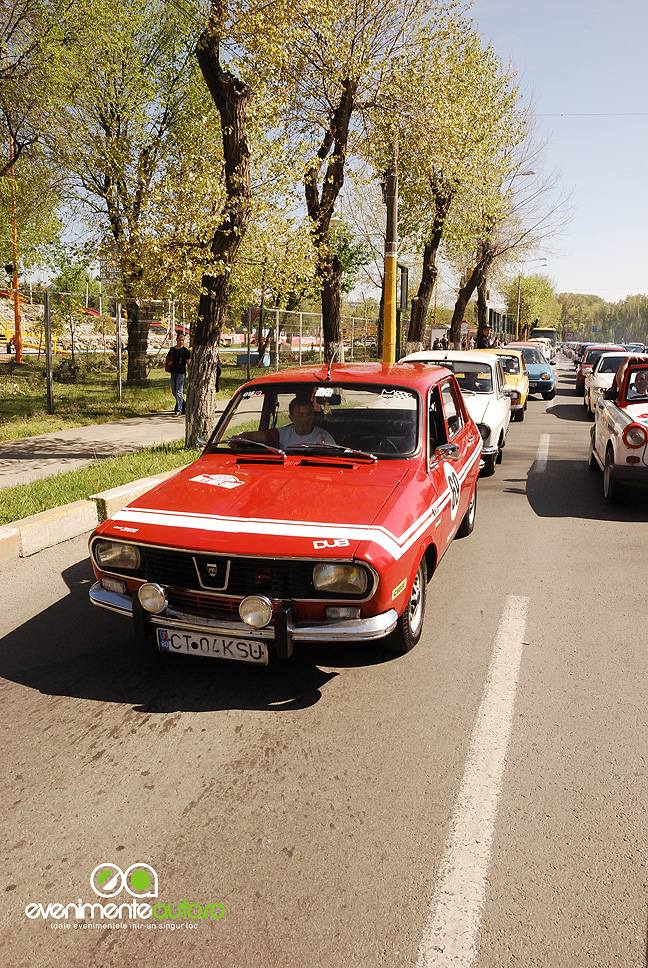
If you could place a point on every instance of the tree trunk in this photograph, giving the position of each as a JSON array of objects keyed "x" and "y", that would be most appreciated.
[
  {"x": 320, "y": 207},
  {"x": 138, "y": 330},
  {"x": 231, "y": 96},
  {"x": 482, "y": 306},
  {"x": 332, "y": 311},
  {"x": 442, "y": 196},
  {"x": 477, "y": 276}
]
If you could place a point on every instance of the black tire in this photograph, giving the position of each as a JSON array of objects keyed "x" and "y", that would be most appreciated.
[
  {"x": 468, "y": 523},
  {"x": 612, "y": 490},
  {"x": 549, "y": 396},
  {"x": 410, "y": 623},
  {"x": 592, "y": 462},
  {"x": 500, "y": 455},
  {"x": 489, "y": 466}
]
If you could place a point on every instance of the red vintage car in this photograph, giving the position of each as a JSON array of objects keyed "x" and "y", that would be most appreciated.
[{"x": 318, "y": 511}]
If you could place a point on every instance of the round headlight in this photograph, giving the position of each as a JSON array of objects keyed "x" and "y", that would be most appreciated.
[
  {"x": 514, "y": 394},
  {"x": 635, "y": 435},
  {"x": 546, "y": 376},
  {"x": 114, "y": 554},
  {"x": 340, "y": 579},
  {"x": 256, "y": 610},
  {"x": 152, "y": 597},
  {"x": 484, "y": 430}
]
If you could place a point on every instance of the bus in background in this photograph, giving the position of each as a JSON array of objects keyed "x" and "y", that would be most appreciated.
[{"x": 546, "y": 332}]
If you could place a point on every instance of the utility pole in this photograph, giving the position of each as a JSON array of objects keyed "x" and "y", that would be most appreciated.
[
  {"x": 391, "y": 245},
  {"x": 14, "y": 221}
]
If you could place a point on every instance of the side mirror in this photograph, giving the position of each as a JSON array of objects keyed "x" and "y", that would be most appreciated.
[{"x": 448, "y": 452}]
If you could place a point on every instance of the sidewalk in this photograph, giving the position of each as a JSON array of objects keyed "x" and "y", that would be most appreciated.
[{"x": 30, "y": 458}]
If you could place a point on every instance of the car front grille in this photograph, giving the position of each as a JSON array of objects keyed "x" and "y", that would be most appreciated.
[{"x": 233, "y": 577}]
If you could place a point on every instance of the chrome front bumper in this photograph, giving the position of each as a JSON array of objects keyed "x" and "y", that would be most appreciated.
[{"x": 359, "y": 630}]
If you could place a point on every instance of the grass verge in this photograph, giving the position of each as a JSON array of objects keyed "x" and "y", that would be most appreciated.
[
  {"x": 93, "y": 399},
  {"x": 21, "y": 500}
]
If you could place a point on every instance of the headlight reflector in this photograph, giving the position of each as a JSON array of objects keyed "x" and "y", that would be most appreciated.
[
  {"x": 343, "y": 579},
  {"x": 114, "y": 554},
  {"x": 635, "y": 435}
]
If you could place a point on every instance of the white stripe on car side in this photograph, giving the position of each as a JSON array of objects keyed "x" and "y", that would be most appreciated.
[{"x": 391, "y": 543}]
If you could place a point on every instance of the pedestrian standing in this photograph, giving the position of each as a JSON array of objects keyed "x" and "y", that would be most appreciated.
[
  {"x": 484, "y": 338},
  {"x": 219, "y": 370},
  {"x": 179, "y": 358}
]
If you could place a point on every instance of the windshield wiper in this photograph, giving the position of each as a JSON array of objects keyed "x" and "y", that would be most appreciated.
[
  {"x": 333, "y": 450},
  {"x": 242, "y": 444}
]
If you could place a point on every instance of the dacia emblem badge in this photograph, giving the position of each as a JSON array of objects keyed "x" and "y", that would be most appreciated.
[{"x": 212, "y": 570}]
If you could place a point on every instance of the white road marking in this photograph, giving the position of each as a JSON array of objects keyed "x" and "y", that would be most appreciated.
[
  {"x": 543, "y": 453},
  {"x": 450, "y": 938}
]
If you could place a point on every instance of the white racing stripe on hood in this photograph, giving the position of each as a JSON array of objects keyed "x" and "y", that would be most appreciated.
[{"x": 394, "y": 545}]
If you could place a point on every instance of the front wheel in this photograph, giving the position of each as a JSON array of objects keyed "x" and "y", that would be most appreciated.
[
  {"x": 467, "y": 525},
  {"x": 549, "y": 396},
  {"x": 489, "y": 466},
  {"x": 611, "y": 488},
  {"x": 410, "y": 623}
]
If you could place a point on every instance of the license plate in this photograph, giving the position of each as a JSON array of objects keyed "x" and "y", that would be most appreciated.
[
  {"x": 532, "y": 386},
  {"x": 212, "y": 646}
]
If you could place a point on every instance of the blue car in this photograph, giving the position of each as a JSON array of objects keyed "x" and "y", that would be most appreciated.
[{"x": 541, "y": 377}]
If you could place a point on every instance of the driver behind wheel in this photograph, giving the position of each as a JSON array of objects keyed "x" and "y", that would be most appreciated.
[{"x": 300, "y": 430}]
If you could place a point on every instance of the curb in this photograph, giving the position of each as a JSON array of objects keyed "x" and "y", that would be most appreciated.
[{"x": 20, "y": 539}]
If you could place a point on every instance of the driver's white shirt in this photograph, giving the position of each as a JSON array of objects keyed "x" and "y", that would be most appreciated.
[{"x": 288, "y": 436}]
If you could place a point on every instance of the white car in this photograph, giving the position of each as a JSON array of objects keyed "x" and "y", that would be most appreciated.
[
  {"x": 487, "y": 397},
  {"x": 601, "y": 378},
  {"x": 619, "y": 440}
]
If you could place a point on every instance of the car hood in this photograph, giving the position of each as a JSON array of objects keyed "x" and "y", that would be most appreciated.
[
  {"x": 637, "y": 412},
  {"x": 481, "y": 407},
  {"x": 535, "y": 370},
  {"x": 262, "y": 508}
]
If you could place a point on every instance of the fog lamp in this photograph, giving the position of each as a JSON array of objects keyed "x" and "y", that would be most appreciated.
[
  {"x": 152, "y": 597},
  {"x": 256, "y": 610}
]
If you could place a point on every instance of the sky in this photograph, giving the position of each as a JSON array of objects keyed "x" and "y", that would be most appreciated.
[{"x": 583, "y": 65}]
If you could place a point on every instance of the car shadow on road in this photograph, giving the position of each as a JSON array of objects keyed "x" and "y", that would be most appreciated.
[
  {"x": 569, "y": 411},
  {"x": 74, "y": 649},
  {"x": 569, "y": 489}
]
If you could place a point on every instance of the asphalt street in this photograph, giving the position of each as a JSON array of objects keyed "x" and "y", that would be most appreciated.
[{"x": 478, "y": 802}]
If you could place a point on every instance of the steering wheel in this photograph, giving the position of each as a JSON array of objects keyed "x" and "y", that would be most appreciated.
[{"x": 382, "y": 445}]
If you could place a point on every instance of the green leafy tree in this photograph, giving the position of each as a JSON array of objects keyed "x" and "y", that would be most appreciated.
[
  {"x": 127, "y": 79},
  {"x": 537, "y": 302}
]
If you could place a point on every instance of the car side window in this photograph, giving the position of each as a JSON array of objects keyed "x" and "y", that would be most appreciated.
[
  {"x": 436, "y": 424},
  {"x": 451, "y": 409}
]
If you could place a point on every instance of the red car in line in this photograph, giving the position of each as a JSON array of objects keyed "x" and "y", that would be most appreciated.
[{"x": 318, "y": 512}]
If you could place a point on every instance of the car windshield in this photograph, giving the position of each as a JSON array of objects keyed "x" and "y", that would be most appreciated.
[
  {"x": 610, "y": 364},
  {"x": 471, "y": 377},
  {"x": 322, "y": 419},
  {"x": 510, "y": 364},
  {"x": 532, "y": 355}
]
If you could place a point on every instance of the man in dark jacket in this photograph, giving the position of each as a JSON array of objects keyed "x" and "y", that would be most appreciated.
[
  {"x": 484, "y": 338},
  {"x": 179, "y": 356}
]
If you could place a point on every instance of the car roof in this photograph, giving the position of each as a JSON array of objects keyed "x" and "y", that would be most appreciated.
[
  {"x": 437, "y": 356},
  {"x": 503, "y": 350},
  {"x": 396, "y": 374}
]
